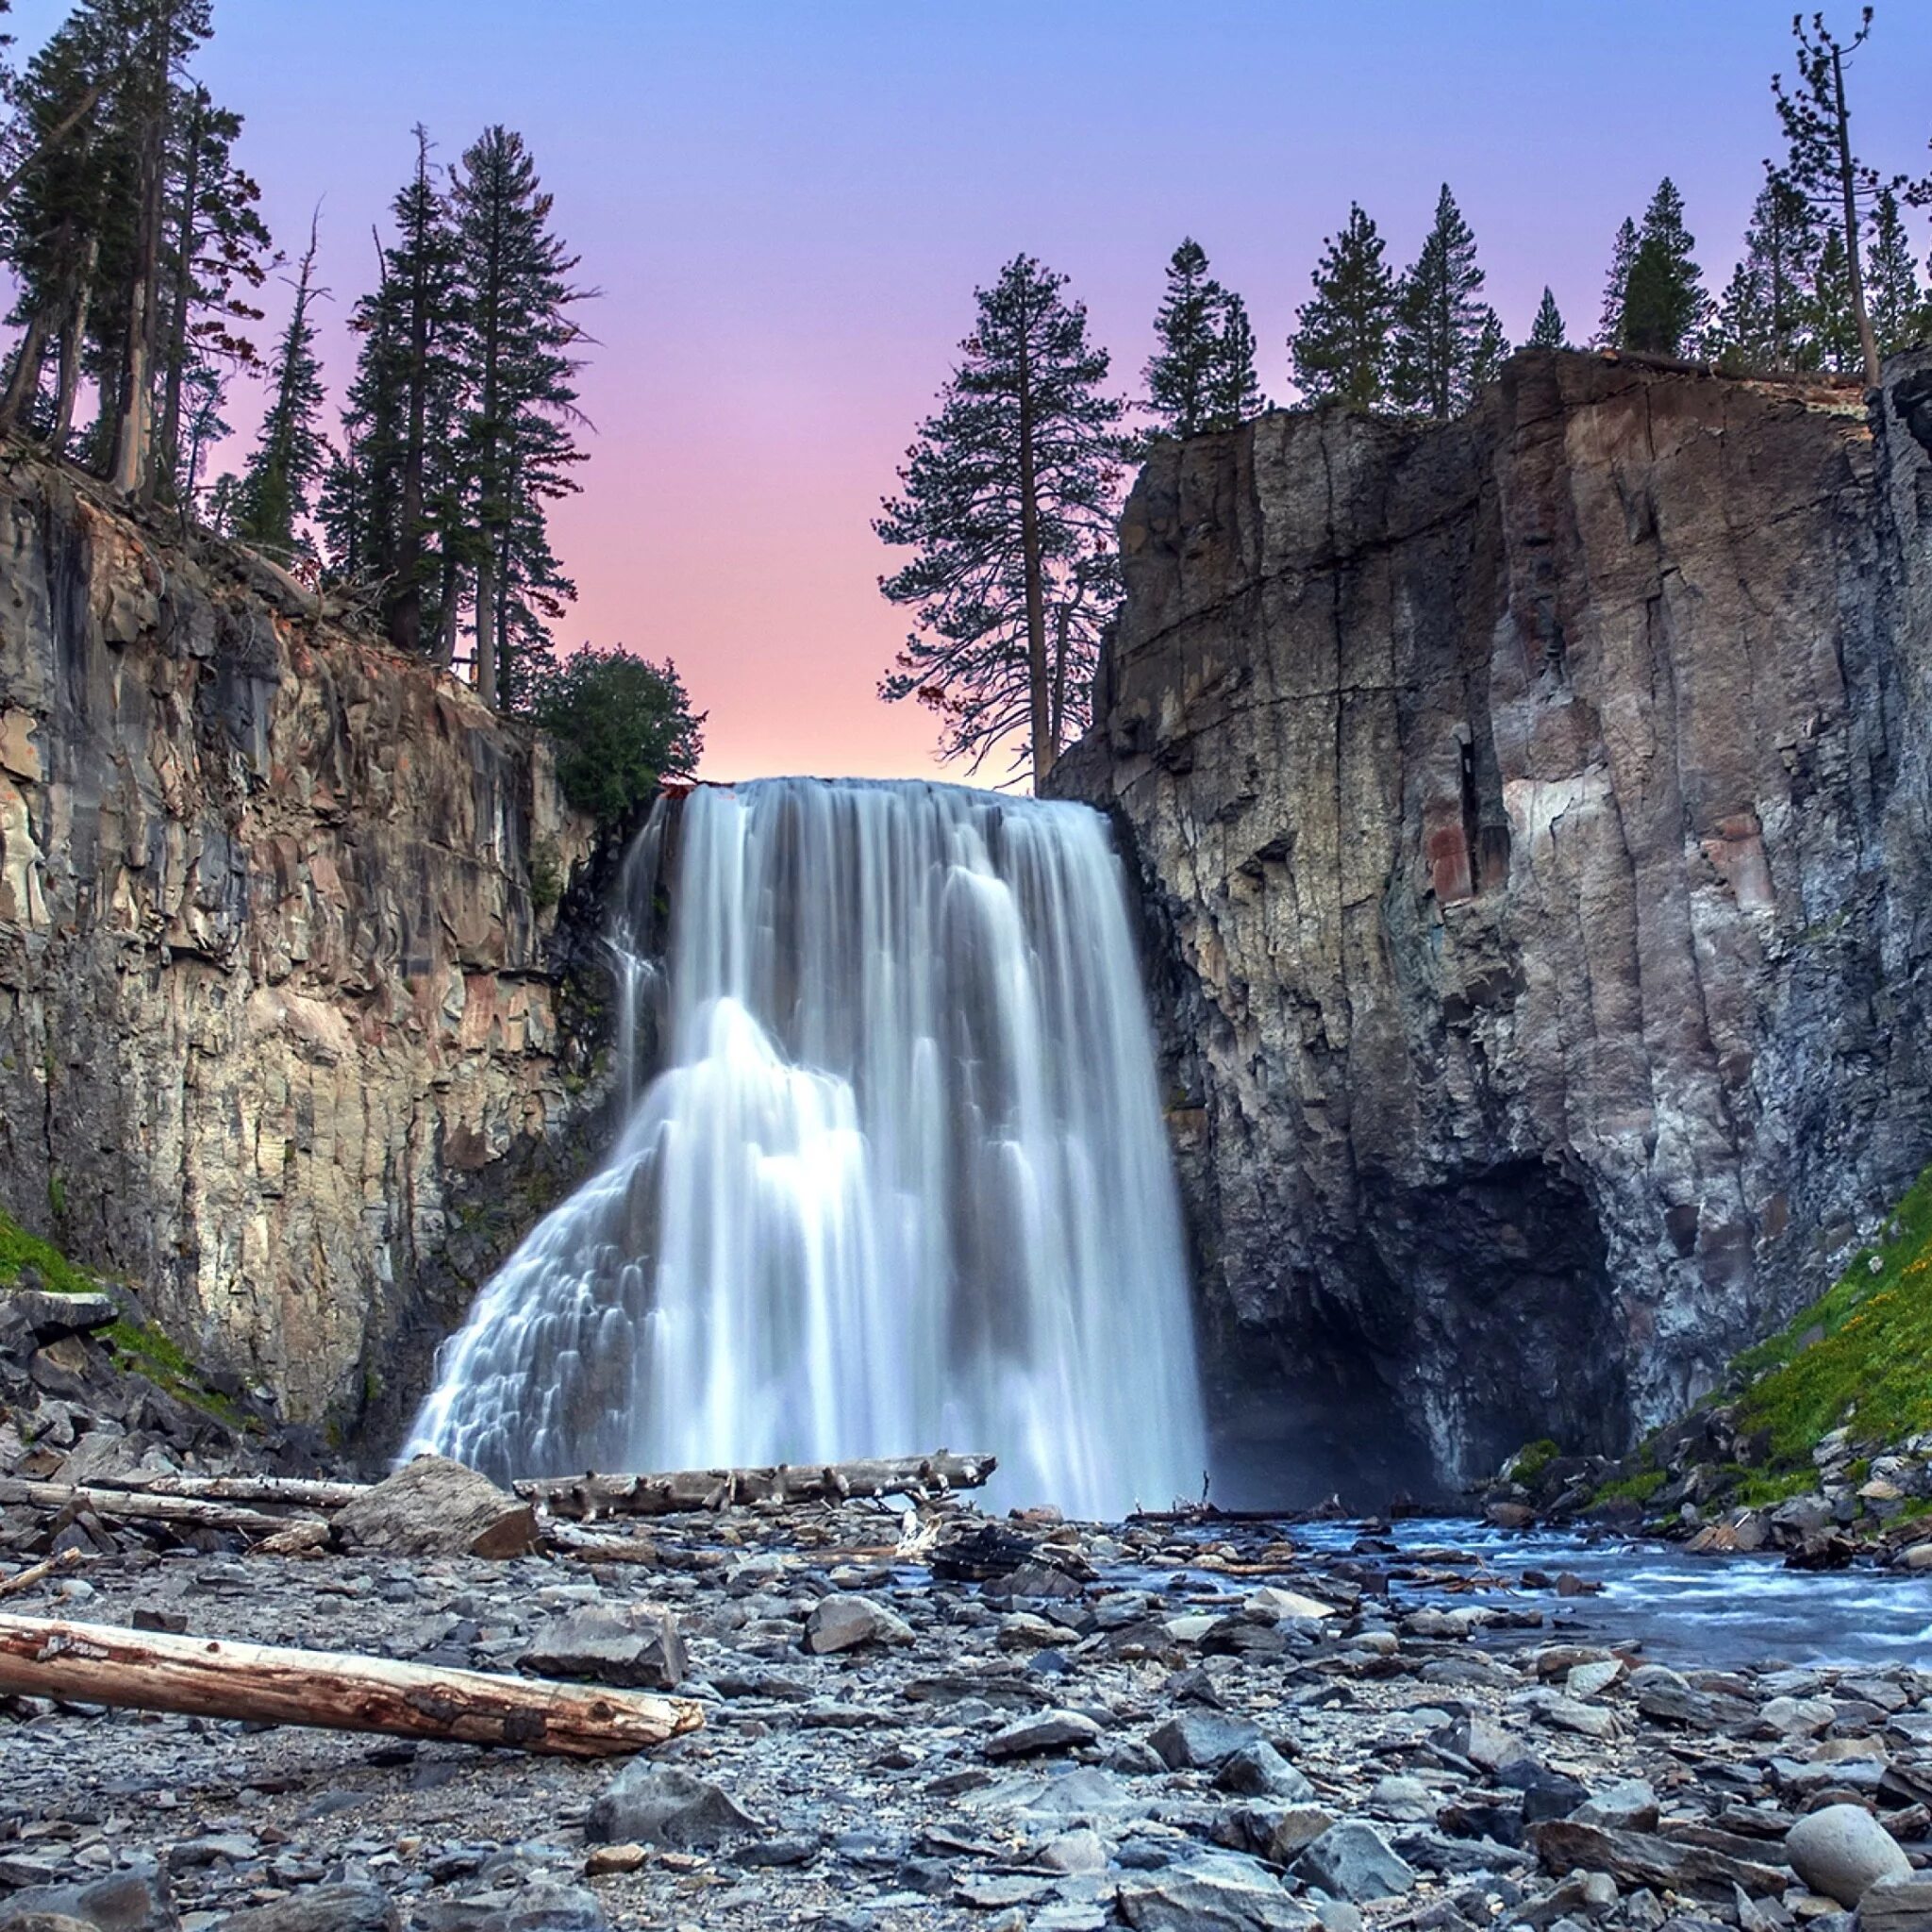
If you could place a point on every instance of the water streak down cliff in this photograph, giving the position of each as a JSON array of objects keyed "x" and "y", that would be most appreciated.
[
  {"x": 1533, "y": 817},
  {"x": 279, "y": 1031}
]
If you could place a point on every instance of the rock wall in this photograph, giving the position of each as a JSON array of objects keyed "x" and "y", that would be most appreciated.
[
  {"x": 1533, "y": 817},
  {"x": 280, "y": 1033}
]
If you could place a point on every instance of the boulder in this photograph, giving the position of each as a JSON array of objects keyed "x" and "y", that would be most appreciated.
[
  {"x": 843, "y": 1623},
  {"x": 52, "y": 1316},
  {"x": 1352, "y": 1860},
  {"x": 1260, "y": 1770},
  {"x": 435, "y": 1507},
  {"x": 1896, "y": 1905},
  {"x": 132, "y": 1901},
  {"x": 1211, "y": 1894},
  {"x": 320, "y": 1908},
  {"x": 1202, "y": 1740},
  {"x": 1842, "y": 1851},
  {"x": 657, "y": 1804},
  {"x": 1051, "y": 1730},
  {"x": 636, "y": 1646},
  {"x": 1629, "y": 1804}
]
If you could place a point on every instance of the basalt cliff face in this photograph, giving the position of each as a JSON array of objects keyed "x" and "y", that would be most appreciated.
[
  {"x": 1533, "y": 818},
  {"x": 280, "y": 1031}
]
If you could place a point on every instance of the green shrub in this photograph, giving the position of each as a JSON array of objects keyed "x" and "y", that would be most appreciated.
[{"x": 620, "y": 724}]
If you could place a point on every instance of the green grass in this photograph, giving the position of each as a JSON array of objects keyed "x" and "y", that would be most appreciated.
[
  {"x": 1639, "y": 1488},
  {"x": 1871, "y": 1369},
  {"x": 1764, "y": 1492},
  {"x": 1532, "y": 1459},
  {"x": 19, "y": 1249}
]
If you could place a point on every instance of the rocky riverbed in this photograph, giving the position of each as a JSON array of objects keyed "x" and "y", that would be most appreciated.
[{"x": 1001, "y": 1726}]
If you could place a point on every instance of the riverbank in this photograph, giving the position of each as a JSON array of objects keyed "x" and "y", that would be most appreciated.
[{"x": 1161, "y": 1725}]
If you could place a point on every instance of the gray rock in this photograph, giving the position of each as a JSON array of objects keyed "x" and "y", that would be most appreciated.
[
  {"x": 1051, "y": 1730},
  {"x": 320, "y": 1908},
  {"x": 1896, "y": 1905},
  {"x": 1211, "y": 1894},
  {"x": 435, "y": 1507},
  {"x": 1352, "y": 1860},
  {"x": 843, "y": 1623},
  {"x": 1842, "y": 1851},
  {"x": 1407, "y": 1800},
  {"x": 51, "y": 1316},
  {"x": 1202, "y": 1740},
  {"x": 636, "y": 1645},
  {"x": 659, "y": 1805},
  {"x": 134, "y": 1900},
  {"x": 1260, "y": 1770},
  {"x": 1630, "y": 1805}
]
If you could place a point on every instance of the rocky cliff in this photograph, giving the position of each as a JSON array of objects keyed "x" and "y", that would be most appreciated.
[
  {"x": 280, "y": 1029},
  {"x": 1533, "y": 817}
]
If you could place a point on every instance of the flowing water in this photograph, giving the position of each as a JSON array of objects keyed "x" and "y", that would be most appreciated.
[{"x": 902, "y": 1183}]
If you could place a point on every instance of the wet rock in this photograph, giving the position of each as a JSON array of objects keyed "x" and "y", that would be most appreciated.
[
  {"x": 1211, "y": 1894},
  {"x": 659, "y": 1805},
  {"x": 843, "y": 1623},
  {"x": 1842, "y": 1851},
  {"x": 435, "y": 1507},
  {"x": 1202, "y": 1740},
  {"x": 320, "y": 1908},
  {"x": 634, "y": 1645},
  {"x": 1051, "y": 1730},
  {"x": 1352, "y": 1860}
]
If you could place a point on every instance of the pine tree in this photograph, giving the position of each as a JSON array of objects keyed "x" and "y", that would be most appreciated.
[
  {"x": 1834, "y": 315},
  {"x": 1664, "y": 304},
  {"x": 1897, "y": 302},
  {"x": 1440, "y": 324},
  {"x": 1202, "y": 377},
  {"x": 518, "y": 340},
  {"x": 1492, "y": 351},
  {"x": 1007, "y": 501},
  {"x": 1819, "y": 164},
  {"x": 1762, "y": 317},
  {"x": 1546, "y": 331},
  {"x": 1610, "y": 327},
  {"x": 289, "y": 451},
  {"x": 1341, "y": 346}
]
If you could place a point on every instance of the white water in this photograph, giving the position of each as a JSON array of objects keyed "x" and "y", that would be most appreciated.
[{"x": 903, "y": 1185}]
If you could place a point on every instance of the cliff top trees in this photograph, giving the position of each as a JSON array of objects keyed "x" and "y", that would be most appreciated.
[
  {"x": 1341, "y": 344},
  {"x": 1546, "y": 331},
  {"x": 1819, "y": 163},
  {"x": 1007, "y": 503},
  {"x": 1447, "y": 343},
  {"x": 289, "y": 451},
  {"x": 1664, "y": 303},
  {"x": 1764, "y": 315},
  {"x": 1610, "y": 326},
  {"x": 621, "y": 723},
  {"x": 1202, "y": 377}
]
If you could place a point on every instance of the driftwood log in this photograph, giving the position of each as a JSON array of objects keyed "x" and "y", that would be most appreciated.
[
  {"x": 98, "y": 1663},
  {"x": 586, "y": 1497},
  {"x": 138, "y": 1506}
]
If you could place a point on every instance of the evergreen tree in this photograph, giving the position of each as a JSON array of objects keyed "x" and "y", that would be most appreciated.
[
  {"x": 1763, "y": 316},
  {"x": 1440, "y": 325},
  {"x": 1664, "y": 304},
  {"x": 289, "y": 451},
  {"x": 1546, "y": 331},
  {"x": 1007, "y": 502},
  {"x": 1897, "y": 302},
  {"x": 1834, "y": 315},
  {"x": 1341, "y": 346},
  {"x": 1492, "y": 351},
  {"x": 518, "y": 430},
  {"x": 1202, "y": 377},
  {"x": 1819, "y": 163},
  {"x": 1610, "y": 327}
]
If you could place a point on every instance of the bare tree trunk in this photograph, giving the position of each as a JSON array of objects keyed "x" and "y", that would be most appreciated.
[
  {"x": 25, "y": 383},
  {"x": 486, "y": 623},
  {"x": 168, "y": 455},
  {"x": 1867, "y": 339},
  {"x": 98, "y": 1663},
  {"x": 134, "y": 424},
  {"x": 72, "y": 348},
  {"x": 1044, "y": 749}
]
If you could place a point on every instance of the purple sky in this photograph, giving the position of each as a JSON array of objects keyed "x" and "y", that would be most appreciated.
[{"x": 788, "y": 206}]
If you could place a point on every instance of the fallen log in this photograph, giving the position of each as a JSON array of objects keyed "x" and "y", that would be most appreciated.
[
  {"x": 586, "y": 1497},
  {"x": 99, "y": 1663},
  {"x": 38, "y": 1573},
  {"x": 288, "y": 1491},
  {"x": 137, "y": 1505}
]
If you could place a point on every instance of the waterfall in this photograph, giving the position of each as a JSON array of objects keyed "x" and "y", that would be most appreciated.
[{"x": 902, "y": 1183}]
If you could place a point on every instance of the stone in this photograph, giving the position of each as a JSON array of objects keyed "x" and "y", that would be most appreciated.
[
  {"x": 1210, "y": 1894},
  {"x": 1594, "y": 1679},
  {"x": 1260, "y": 1770},
  {"x": 133, "y": 1901},
  {"x": 1629, "y": 1804},
  {"x": 1376, "y": 889},
  {"x": 843, "y": 1623},
  {"x": 1197, "y": 1740},
  {"x": 633, "y": 1645},
  {"x": 52, "y": 1316},
  {"x": 1273, "y": 1601},
  {"x": 660, "y": 1804},
  {"x": 1842, "y": 1851},
  {"x": 1051, "y": 1730},
  {"x": 1295, "y": 1830},
  {"x": 432, "y": 1507},
  {"x": 1352, "y": 1860},
  {"x": 349, "y": 1908},
  {"x": 1896, "y": 1905},
  {"x": 1407, "y": 1800},
  {"x": 1074, "y": 1852}
]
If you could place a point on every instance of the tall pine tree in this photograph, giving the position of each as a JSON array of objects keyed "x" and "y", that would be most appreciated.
[
  {"x": 1610, "y": 326},
  {"x": 277, "y": 486},
  {"x": 518, "y": 341},
  {"x": 1341, "y": 344},
  {"x": 1234, "y": 390},
  {"x": 1764, "y": 313},
  {"x": 1444, "y": 333},
  {"x": 1546, "y": 331},
  {"x": 1898, "y": 302},
  {"x": 1664, "y": 303},
  {"x": 1201, "y": 377},
  {"x": 1007, "y": 502}
]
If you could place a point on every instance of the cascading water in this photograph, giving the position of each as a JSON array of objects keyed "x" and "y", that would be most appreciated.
[{"x": 903, "y": 1184}]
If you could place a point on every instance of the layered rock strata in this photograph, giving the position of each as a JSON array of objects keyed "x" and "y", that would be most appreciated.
[
  {"x": 1532, "y": 813},
  {"x": 279, "y": 1035}
]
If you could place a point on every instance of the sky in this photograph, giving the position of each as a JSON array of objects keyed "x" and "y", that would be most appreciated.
[{"x": 787, "y": 208}]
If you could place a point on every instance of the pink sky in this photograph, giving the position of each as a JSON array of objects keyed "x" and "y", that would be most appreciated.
[{"x": 788, "y": 208}]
